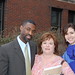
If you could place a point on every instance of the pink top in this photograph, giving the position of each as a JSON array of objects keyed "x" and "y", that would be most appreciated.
[{"x": 39, "y": 66}]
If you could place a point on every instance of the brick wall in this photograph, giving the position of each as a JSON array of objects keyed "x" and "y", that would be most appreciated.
[{"x": 17, "y": 11}]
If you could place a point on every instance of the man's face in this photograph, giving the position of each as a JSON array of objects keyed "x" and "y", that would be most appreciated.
[{"x": 27, "y": 31}]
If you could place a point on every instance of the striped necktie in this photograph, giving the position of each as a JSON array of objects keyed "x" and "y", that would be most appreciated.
[{"x": 27, "y": 62}]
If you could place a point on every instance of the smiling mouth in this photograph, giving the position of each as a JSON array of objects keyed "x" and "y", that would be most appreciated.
[
  {"x": 70, "y": 39},
  {"x": 28, "y": 37},
  {"x": 47, "y": 49}
]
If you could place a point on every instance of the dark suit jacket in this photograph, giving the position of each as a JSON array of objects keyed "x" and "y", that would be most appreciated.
[{"x": 12, "y": 61}]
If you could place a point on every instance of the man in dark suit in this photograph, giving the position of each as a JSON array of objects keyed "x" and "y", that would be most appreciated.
[{"x": 12, "y": 58}]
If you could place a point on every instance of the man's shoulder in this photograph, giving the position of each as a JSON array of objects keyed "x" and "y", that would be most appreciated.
[{"x": 9, "y": 43}]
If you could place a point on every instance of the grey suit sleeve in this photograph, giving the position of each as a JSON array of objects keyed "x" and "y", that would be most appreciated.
[{"x": 3, "y": 61}]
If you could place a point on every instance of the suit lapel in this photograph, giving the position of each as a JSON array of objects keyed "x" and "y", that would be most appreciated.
[
  {"x": 18, "y": 50},
  {"x": 20, "y": 54}
]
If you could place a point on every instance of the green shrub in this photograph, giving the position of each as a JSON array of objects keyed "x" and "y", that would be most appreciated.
[{"x": 5, "y": 40}]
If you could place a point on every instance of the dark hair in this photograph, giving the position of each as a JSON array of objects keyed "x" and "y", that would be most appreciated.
[
  {"x": 46, "y": 36},
  {"x": 65, "y": 29},
  {"x": 28, "y": 21}
]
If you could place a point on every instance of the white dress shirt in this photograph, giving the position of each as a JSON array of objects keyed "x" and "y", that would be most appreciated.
[{"x": 22, "y": 45}]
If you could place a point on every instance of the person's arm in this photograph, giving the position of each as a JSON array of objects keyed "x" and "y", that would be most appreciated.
[
  {"x": 66, "y": 70},
  {"x": 72, "y": 65},
  {"x": 35, "y": 66},
  {"x": 64, "y": 55},
  {"x": 3, "y": 62}
]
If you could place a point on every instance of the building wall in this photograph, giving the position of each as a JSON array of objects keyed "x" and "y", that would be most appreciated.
[{"x": 17, "y": 11}]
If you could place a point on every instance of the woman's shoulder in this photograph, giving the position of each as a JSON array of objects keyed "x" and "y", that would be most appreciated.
[
  {"x": 37, "y": 57},
  {"x": 62, "y": 61},
  {"x": 60, "y": 58}
]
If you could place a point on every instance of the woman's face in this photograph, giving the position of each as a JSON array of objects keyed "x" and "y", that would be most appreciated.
[
  {"x": 70, "y": 36},
  {"x": 48, "y": 46}
]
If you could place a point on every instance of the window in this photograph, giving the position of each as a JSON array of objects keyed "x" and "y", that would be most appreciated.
[
  {"x": 1, "y": 16},
  {"x": 65, "y": 0},
  {"x": 71, "y": 17},
  {"x": 69, "y": 1},
  {"x": 56, "y": 18}
]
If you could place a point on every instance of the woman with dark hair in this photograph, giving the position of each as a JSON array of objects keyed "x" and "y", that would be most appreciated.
[
  {"x": 47, "y": 56},
  {"x": 69, "y": 36}
]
